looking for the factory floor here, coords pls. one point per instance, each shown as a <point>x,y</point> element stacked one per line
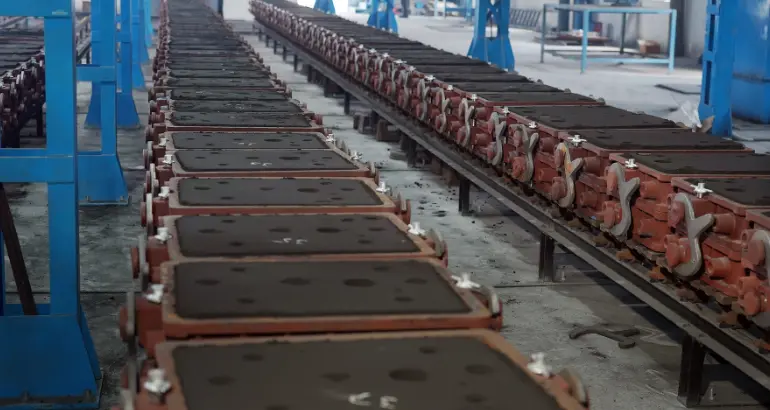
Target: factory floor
<point>491,244</point>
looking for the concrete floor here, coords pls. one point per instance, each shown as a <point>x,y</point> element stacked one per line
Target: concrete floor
<point>491,244</point>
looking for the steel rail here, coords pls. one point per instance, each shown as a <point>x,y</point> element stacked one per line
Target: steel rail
<point>733,346</point>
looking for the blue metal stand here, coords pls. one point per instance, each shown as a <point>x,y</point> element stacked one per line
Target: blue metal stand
<point>127,116</point>
<point>490,34</point>
<point>140,54</point>
<point>148,32</point>
<point>48,360</point>
<point>327,6</point>
<point>100,176</point>
<point>382,16</point>
<point>718,57</point>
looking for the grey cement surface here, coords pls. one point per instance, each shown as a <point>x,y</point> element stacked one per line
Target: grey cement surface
<point>495,248</point>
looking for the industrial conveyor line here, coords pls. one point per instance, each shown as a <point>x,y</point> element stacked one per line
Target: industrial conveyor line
<point>627,181</point>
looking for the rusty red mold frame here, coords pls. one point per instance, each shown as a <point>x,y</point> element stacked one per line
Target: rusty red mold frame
<point>590,164</point>
<point>170,206</point>
<point>158,252</point>
<point>167,72</point>
<point>158,128</point>
<point>156,323</point>
<point>159,91</point>
<point>650,209</point>
<point>159,175</point>
<point>166,146</point>
<point>558,387</point>
<point>722,245</point>
<point>163,64</point>
<point>754,288</point>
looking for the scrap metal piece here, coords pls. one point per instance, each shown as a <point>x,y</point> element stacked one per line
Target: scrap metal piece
<point>621,335</point>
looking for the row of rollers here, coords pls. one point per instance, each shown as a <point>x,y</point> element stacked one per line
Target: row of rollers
<point>401,208</point>
<point>722,255</point>
<point>22,88</point>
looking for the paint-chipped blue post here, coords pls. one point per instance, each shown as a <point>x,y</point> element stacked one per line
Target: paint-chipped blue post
<point>382,16</point>
<point>48,360</point>
<point>718,56</point>
<point>93,117</point>
<point>139,51</point>
<point>491,42</point>
<point>326,6</point>
<point>100,176</point>
<point>148,33</point>
<point>127,114</point>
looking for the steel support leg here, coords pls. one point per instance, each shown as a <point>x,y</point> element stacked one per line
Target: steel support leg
<point>465,197</point>
<point>295,62</point>
<point>546,271</point>
<point>284,51</point>
<point>139,51</point>
<point>346,103</point>
<point>48,360</point>
<point>127,116</point>
<point>100,176</point>
<point>411,152</point>
<point>494,48</point>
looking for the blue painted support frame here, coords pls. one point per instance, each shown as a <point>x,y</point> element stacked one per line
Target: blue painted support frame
<point>148,31</point>
<point>326,6</point>
<point>127,114</point>
<point>718,57</point>
<point>51,355</point>
<point>495,48</point>
<point>139,51</point>
<point>100,176</point>
<point>382,16</point>
<point>588,11</point>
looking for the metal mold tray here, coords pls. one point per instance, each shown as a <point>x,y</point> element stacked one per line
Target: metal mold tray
<point>264,106</point>
<point>214,94</point>
<point>273,237</point>
<point>265,235</point>
<point>546,98</point>
<point>735,194</point>
<point>664,166</point>
<point>587,117</point>
<point>502,87</point>
<point>417,370</point>
<point>253,196</point>
<point>329,163</point>
<point>264,298</point>
<point>247,83</point>
<point>256,72</point>
<point>195,140</point>
<point>241,65</point>
<point>629,140</point>
<point>237,120</point>
<point>234,121</point>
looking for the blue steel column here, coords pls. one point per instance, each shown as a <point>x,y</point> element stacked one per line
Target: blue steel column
<point>48,360</point>
<point>138,50</point>
<point>148,32</point>
<point>494,48</point>
<point>100,177</point>
<point>93,117</point>
<point>382,16</point>
<point>127,114</point>
<point>326,6</point>
<point>718,56</point>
